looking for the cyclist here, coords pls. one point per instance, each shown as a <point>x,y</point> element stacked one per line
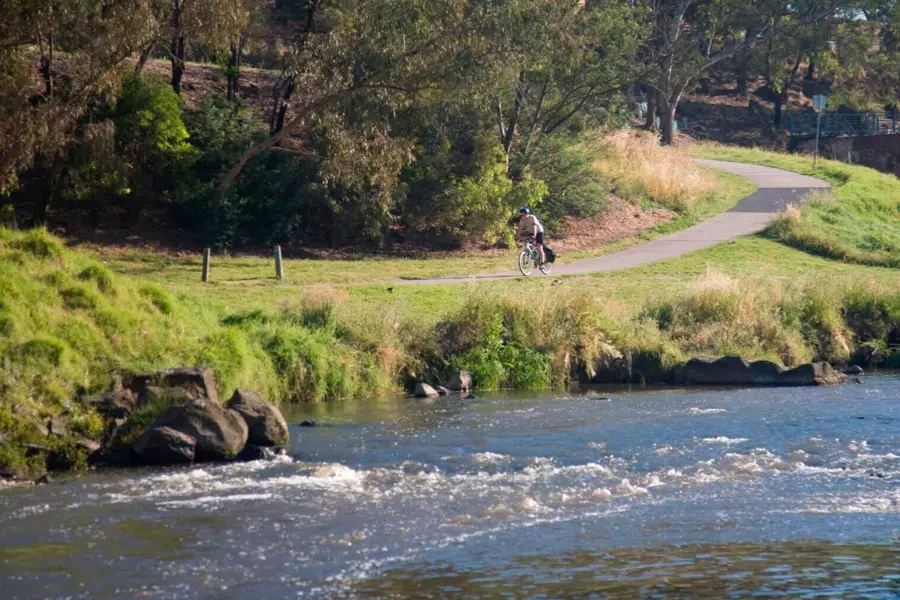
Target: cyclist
<point>530,225</point>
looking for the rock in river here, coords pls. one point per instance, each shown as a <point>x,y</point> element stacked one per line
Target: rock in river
<point>265,422</point>
<point>423,390</point>
<point>734,370</point>
<point>217,432</point>
<point>461,381</point>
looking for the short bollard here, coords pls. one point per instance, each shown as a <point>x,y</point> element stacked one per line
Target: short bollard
<point>279,271</point>
<point>205,265</point>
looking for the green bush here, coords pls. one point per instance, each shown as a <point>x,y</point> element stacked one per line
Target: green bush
<point>573,186</point>
<point>149,125</point>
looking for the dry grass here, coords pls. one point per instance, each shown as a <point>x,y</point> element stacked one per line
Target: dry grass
<point>639,167</point>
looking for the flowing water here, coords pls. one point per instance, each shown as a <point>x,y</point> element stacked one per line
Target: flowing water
<point>646,494</point>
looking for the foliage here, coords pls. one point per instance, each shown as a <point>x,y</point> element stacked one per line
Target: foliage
<point>149,125</point>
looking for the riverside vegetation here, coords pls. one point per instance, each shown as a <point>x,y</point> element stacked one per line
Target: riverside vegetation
<point>72,326</point>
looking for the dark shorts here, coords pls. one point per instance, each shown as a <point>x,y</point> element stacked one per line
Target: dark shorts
<point>539,238</point>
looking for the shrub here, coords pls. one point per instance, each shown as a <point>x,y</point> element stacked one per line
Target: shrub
<point>149,125</point>
<point>574,188</point>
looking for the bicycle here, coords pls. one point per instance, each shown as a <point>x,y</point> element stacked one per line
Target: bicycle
<point>529,258</point>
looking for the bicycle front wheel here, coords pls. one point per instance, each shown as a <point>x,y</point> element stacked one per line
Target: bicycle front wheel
<point>526,263</point>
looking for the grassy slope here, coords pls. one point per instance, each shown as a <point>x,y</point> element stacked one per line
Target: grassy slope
<point>860,224</point>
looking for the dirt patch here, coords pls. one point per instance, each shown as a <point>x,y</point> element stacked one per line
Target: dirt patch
<point>622,220</point>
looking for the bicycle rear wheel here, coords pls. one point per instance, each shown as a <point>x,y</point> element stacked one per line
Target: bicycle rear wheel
<point>526,263</point>
<point>546,268</point>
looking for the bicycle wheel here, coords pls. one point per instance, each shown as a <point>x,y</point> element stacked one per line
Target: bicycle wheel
<point>526,264</point>
<point>546,268</point>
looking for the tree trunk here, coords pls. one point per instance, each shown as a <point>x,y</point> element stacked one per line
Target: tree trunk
<point>811,69</point>
<point>509,135</point>
<point>282,103</point>
<point>743,68</point>
<point>667,123</point>
<point>233,71</point>
<point>42,204</point>
<point>146,52</point>
<point>176,49</point>
<point>776,118</point>
<point>177,62</point>
<point>47,66</point>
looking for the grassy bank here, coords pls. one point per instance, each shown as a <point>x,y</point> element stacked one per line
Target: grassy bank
<point>857,222</point>
<point>71,327</point>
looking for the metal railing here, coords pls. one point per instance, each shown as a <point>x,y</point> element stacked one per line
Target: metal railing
<point>836,124</point>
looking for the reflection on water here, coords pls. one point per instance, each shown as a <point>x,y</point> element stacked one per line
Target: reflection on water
<point>799,569</point>
<point>634,495</point>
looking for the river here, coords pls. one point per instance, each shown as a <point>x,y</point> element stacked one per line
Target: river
<point>627,494</point>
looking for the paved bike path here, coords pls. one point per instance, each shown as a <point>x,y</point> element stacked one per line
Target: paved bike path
<point>777,189</point>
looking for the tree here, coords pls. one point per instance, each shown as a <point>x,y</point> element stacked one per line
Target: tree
<point>81,46</point>
<point>675,43</point>
<point>387,53</point>
<point>571,62</point>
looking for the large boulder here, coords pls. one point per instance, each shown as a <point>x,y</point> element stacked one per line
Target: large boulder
<point>734,370</point>
<point>166,446</point>
<point>265,422</point>
<point>820,373</point>
<point>460,381</point>
<point>196,382</point>
<point>218,433</point>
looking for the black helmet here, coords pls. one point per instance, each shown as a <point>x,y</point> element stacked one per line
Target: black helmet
<point>524,210</point>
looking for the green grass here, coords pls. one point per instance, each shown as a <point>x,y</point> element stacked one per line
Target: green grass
<point>72,322</point>
<point>858,222</point>
<point>183,272</point>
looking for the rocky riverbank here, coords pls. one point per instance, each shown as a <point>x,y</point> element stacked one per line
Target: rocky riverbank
<point>170,417</point>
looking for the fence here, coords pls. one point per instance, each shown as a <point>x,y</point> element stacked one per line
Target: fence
<point>835,124</point>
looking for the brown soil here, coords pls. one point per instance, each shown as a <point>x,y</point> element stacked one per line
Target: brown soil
<point>202,81</point>
<point>623,220</point>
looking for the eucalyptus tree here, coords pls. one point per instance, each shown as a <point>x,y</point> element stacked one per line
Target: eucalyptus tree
<point>81,46</point>
<point>676,44</point>
<point>353,56</point>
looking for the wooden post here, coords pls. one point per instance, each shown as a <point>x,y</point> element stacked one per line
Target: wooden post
<point>205,265</point>
<point>279,271</point>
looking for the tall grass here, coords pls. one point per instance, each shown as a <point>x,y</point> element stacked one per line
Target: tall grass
<point>639,167</point>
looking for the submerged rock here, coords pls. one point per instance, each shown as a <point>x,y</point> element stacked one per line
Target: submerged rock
<point>820,373</point>
<point>460,381</point>
<point>735,370</point>
<point>309,424</point>
<point>855,370</point>
<point>265,423</point>
<point>423,390</point>
<point>442,391</point>
<point>218,434</point>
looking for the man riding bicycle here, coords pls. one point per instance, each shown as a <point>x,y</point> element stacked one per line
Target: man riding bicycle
<point>529,225</point>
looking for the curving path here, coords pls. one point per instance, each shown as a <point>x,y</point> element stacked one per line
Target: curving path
<point>753,214</point>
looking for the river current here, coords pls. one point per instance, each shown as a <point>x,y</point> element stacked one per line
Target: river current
<point>644,494</point>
